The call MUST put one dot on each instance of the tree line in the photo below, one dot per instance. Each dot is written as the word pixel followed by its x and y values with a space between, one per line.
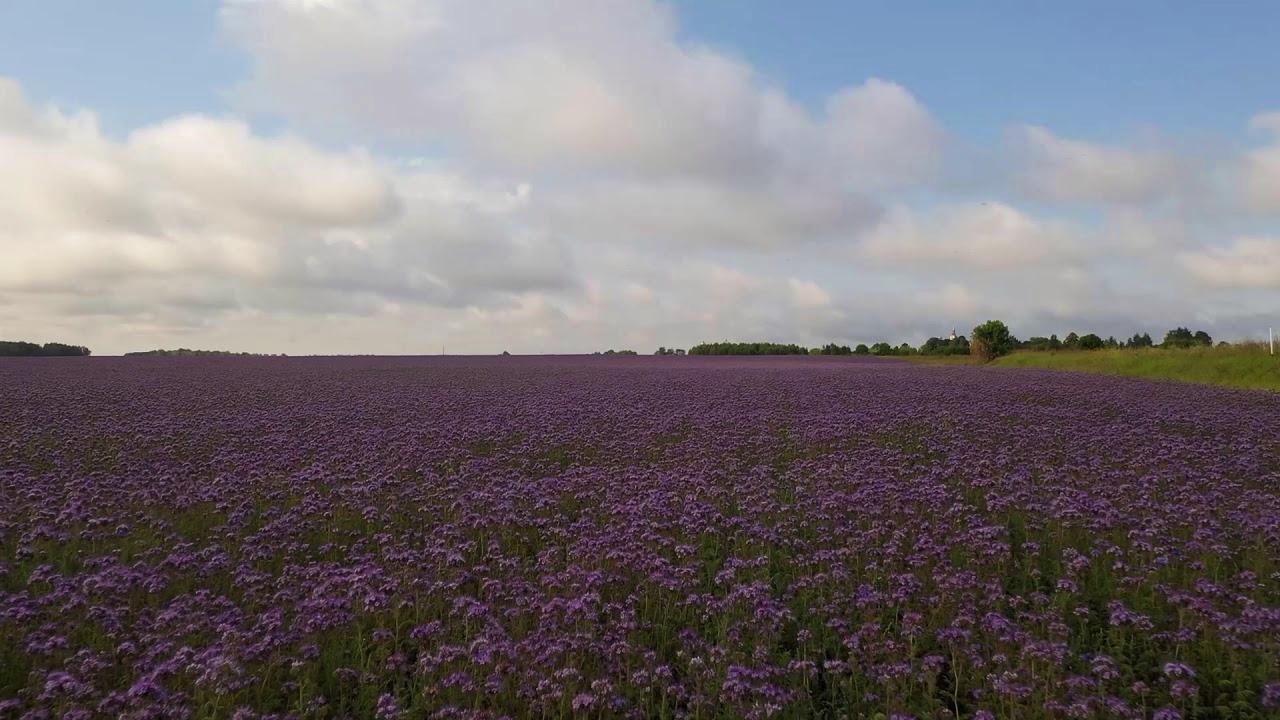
pixel 990 340
pixel 185 352
pixel 18 348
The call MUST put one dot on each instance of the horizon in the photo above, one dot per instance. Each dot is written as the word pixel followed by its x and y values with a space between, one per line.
pixel 404 175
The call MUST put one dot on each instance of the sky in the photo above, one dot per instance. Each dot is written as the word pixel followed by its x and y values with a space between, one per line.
pixel 412 176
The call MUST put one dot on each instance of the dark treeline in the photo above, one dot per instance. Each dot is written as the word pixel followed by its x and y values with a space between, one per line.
pixel 611 351
pixel 184 352
pixel 996 340
pixel 747 348
pixel 18 348
pixel 1176 338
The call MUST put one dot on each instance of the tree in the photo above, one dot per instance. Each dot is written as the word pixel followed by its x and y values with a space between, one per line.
pixel 832 349
pixel 1071 341
pixel 991 340
pixel 862 349
pixel 1181 337
pixel 1091 342
pixel 1139 341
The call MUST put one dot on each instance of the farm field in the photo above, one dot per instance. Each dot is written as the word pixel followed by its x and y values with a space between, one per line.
pixel 644 537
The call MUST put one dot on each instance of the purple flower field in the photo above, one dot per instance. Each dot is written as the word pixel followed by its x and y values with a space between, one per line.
pixel 632 537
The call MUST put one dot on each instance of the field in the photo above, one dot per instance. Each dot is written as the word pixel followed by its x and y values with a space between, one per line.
pixel 645 537
pixel 1241 366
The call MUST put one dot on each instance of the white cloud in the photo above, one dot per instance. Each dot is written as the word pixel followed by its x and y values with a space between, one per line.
pixel 806 294
pixel 1069 170
pixel 257 222
pixel 978 236
pixel 581 86
pixel 1260 168
pixel 1247 262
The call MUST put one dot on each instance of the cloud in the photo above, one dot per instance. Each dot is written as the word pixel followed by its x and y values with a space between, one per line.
pixel 978 236
pixel 1061 169
pixel 602 87
pixel 1259 170
pixel 807 294
pixel 204 205
pixel 1247 262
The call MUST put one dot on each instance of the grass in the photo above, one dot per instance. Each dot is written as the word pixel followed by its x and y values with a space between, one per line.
pixel 1247 366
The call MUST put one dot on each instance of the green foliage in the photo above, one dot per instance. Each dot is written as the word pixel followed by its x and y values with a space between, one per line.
pixel 1091 342
pixel 943 346
pixel 1139 341
pixel 1041 343
pixel 991 340
pixel 747 348
pixel 832 349
pixel 669 351
pixel 18 348
pixel 862 349
pixel 1183 338
pixel 611 351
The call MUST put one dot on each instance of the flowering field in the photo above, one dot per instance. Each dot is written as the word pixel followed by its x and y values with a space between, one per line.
pixel 632 537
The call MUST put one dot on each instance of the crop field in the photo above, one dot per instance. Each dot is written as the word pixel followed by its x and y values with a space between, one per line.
pixel 670 537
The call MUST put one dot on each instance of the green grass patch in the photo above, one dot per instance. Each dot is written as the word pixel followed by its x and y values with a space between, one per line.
pixel 1240 367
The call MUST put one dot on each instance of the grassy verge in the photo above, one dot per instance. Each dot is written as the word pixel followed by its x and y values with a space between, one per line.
pixel 1241 367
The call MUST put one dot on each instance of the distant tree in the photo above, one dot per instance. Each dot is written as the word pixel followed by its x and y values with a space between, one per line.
pixel 944 346
pixel 1054 342
pixel 187 352
pixel 506 354
pixel 1139 341
pixel 882 349
pixel 661 351
pixel 832 349
pixel 1112 342
pixel 745 348
pixel 991 340
pixel 862 350
pixel 18 348
pixel 1071 342
pixel 1090 342
pixel 1181 337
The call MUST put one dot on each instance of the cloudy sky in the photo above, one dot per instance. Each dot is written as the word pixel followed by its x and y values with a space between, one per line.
pixel 398 176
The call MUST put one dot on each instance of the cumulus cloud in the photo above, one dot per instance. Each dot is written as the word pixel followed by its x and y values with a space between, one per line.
pixel 1069 170
pixel 807 294
pixel 598 86
pixel 1260 168
pixel 1247 262
pixel 201 212
pixel 977 236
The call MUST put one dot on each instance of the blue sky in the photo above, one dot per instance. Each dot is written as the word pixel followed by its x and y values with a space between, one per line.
pixel 557 176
